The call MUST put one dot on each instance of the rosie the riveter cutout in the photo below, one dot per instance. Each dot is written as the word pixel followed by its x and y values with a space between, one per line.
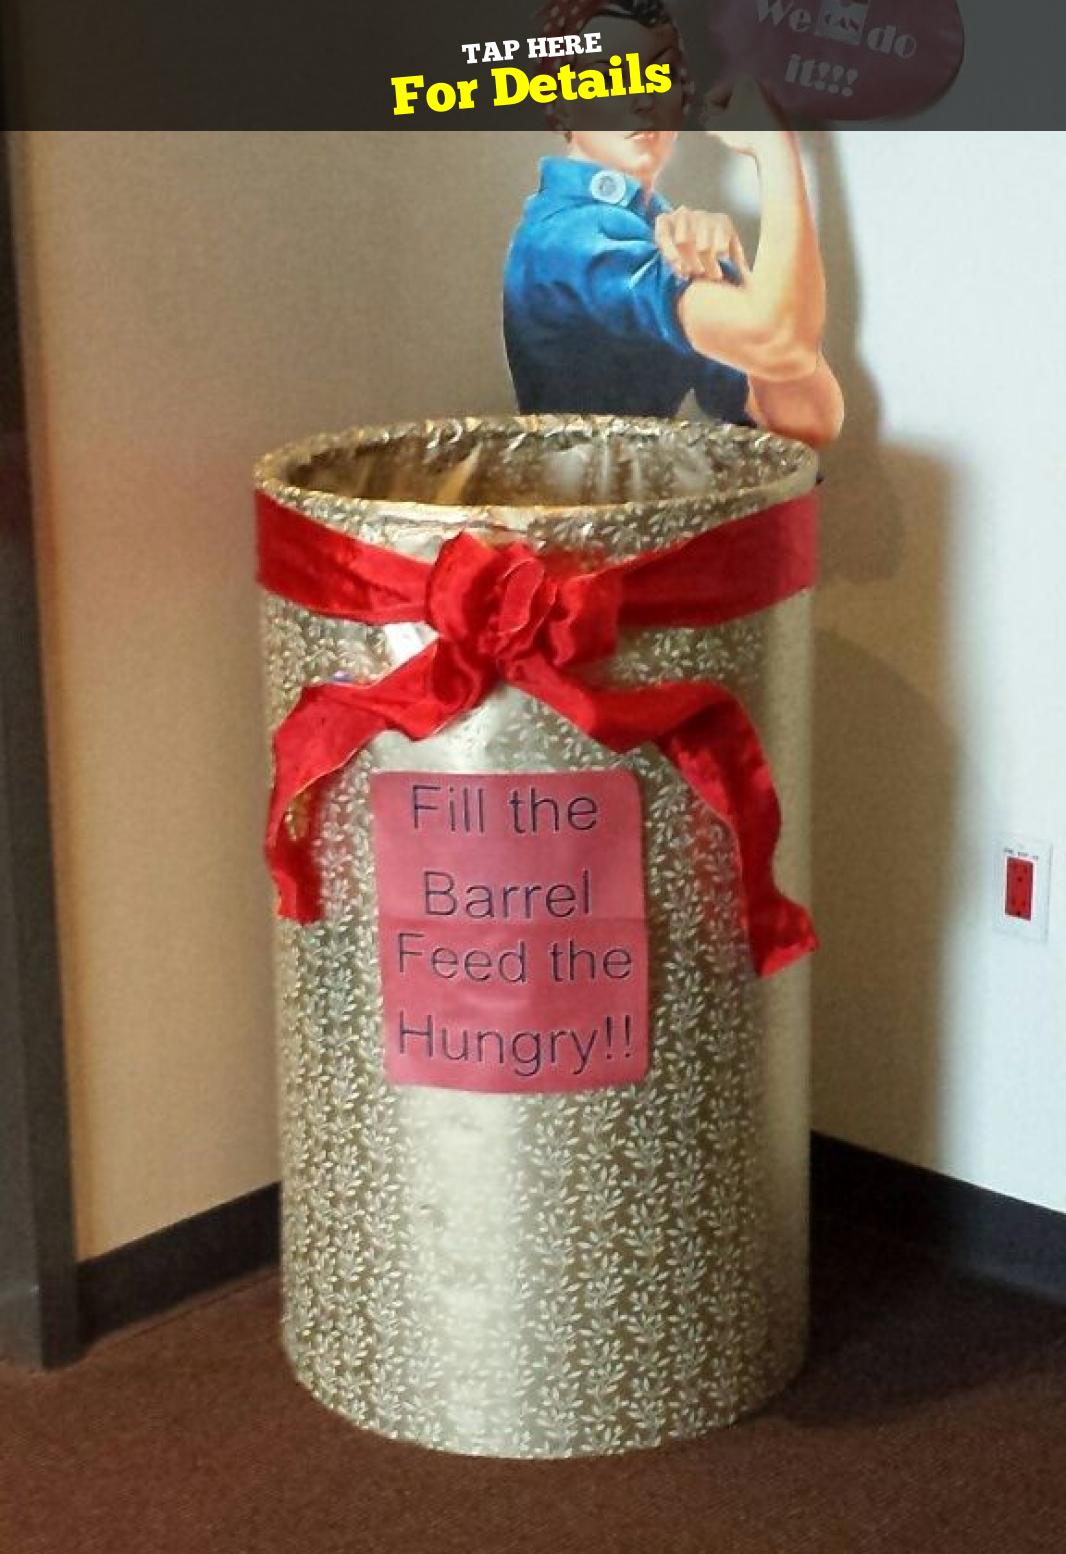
pixel 511 926
pixel 616 303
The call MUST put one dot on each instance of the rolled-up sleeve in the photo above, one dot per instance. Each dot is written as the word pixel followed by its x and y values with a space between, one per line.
pixel 602 264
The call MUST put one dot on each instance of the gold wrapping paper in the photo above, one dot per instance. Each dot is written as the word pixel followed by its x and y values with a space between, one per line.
pixel 548 1275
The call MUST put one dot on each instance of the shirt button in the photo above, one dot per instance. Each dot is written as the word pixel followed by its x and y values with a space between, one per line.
pixel 608 186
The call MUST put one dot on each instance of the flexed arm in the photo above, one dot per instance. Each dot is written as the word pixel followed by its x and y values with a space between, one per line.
pixel 770 325
pixel 766 319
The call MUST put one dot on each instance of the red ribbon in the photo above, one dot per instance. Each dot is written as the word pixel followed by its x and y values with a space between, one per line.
pixel 507 613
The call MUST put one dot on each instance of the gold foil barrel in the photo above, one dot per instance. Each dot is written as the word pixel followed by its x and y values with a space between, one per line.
pixel 562 1274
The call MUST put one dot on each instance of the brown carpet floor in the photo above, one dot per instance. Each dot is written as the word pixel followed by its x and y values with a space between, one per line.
pixel 931 1419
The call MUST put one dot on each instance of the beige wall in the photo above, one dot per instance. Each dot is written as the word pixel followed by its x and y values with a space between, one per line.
pixel 194 299
pixel 191 301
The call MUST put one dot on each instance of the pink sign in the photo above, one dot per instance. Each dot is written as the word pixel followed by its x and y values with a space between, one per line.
pixel 841 59
pixel 513 941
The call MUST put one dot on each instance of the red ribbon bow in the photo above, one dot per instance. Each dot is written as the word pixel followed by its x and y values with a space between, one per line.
pixel 508 614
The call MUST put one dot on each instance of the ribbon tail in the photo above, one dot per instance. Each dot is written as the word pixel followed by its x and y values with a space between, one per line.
pixel 721 758
pixel 703 730
pixel 328 726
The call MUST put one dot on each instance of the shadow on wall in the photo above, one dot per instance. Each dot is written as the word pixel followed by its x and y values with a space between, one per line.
pixel 885 766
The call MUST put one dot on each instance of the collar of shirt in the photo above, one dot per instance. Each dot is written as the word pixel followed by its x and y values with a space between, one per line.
pixel 564 178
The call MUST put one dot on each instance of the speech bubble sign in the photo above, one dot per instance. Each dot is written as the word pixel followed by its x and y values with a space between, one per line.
pixel 839 59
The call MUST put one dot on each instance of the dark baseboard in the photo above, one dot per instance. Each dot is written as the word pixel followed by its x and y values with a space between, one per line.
pixel 969 1229
pixel 146 1277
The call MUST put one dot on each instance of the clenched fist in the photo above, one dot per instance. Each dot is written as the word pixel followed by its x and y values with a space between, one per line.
pixel 694 241
pixel 743 119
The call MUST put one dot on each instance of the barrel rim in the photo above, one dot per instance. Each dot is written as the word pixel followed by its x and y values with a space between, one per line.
pixel 272 469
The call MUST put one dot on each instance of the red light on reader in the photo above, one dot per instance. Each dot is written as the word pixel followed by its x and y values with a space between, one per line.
pixel 1018 901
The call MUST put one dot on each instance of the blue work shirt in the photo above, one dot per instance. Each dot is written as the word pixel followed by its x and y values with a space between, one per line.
pixel 590 305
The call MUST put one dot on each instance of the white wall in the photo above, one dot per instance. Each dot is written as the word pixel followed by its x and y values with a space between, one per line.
pixel 941 717
pixel 194 299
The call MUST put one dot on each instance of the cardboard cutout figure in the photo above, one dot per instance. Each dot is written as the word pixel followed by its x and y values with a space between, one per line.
pixel 616 303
